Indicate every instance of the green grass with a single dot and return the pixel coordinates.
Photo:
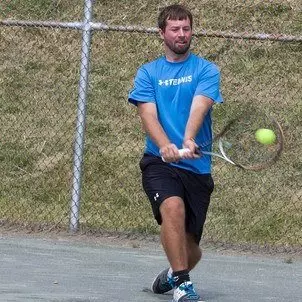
(38, 103)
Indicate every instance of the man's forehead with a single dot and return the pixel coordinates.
(183, 22)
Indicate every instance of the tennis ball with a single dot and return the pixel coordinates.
(265, 136)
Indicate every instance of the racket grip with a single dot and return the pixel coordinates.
(183, 151)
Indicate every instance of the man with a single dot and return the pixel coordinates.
(174, 95)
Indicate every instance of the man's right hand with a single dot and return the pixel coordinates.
(169, 153)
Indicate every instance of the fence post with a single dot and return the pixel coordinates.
(81, 117)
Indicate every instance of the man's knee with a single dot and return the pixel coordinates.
(173, 207)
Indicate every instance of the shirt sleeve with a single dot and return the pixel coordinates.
(209, 83)
(143, 90)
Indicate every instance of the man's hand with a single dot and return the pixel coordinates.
(169, 153)
(192, 147)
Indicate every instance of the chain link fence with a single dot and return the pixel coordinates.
(70, 142)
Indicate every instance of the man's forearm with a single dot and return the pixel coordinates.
(200, 107)
(153, 128)
(155, 131)
(151, 125)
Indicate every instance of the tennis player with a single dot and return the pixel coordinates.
(174, 95)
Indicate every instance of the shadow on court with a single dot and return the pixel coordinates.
(67, 269)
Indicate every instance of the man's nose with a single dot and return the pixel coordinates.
(181, 32)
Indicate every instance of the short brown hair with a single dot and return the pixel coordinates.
(173, 12)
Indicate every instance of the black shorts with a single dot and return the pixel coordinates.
(161, 181)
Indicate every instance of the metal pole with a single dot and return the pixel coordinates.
(81, 118)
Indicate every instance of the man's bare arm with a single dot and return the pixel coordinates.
(151, 125)
(199, 108)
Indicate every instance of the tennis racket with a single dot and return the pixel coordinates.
(236, 143)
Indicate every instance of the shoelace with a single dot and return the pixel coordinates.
(188, 288)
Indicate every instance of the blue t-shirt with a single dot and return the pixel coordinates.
(172, 86)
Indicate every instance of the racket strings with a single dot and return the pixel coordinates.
(240, 145)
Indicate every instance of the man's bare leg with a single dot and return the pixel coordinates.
(173, 234)
(193, 251)
(181, 248)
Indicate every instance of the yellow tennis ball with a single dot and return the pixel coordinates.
(265, 136)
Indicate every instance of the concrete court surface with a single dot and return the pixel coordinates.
(36, 268)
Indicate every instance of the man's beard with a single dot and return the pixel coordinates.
(179, 50)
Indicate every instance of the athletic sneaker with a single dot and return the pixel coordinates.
(185, 292)
(163, 282)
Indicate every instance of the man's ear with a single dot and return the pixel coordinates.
(161, 33)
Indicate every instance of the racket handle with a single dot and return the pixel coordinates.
(182, 152)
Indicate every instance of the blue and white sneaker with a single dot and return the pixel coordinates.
(185, 292)
(163, 282)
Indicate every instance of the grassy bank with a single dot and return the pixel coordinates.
(38, 95)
